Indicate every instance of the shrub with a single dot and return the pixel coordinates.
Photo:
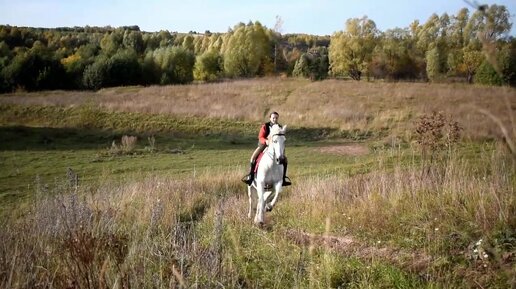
(486, 74)
(435, 135)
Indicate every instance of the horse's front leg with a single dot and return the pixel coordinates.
(258, 218)
(277, 189)
(250, 195)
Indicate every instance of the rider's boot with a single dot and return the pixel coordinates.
(286, 180)
(250, 177)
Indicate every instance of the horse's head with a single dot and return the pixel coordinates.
(277, 143)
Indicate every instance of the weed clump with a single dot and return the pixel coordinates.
(436, 134)
(127, 145)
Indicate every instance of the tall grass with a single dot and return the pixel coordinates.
(402, 222)
(347, 105)
(193, 232)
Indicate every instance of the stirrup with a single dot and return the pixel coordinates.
(247, 180)
(286, 181)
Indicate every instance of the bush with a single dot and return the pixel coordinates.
(208, 66)
(96, 75)
(486, 74)
(124, 68)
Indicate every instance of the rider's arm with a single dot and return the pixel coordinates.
(262, 137)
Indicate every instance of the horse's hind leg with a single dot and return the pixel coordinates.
(268, 207)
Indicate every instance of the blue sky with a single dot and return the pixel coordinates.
(321, 17)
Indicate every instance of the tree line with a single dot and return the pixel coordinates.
(472, 47)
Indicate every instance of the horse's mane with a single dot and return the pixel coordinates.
(275, 129)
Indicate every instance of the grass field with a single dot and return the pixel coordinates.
(368, 209)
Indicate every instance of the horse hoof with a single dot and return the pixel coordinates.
(268, 208)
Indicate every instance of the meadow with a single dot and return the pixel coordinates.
(396, 185)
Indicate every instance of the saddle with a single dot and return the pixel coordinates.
(258, 159)
(268, 186)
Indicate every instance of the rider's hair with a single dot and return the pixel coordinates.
(273, 113)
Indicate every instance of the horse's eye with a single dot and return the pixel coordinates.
(275, 141)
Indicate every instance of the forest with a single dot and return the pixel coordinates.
(470, 46)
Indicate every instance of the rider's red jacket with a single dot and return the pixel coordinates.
(263, 134)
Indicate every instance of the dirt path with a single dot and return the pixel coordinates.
(416, 262)
(345, 149)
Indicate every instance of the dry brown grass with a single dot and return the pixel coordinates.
(340, 104)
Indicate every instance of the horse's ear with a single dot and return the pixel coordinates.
(284, 128)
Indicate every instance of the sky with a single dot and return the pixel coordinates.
(318, 17)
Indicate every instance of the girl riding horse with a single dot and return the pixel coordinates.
(262, 144)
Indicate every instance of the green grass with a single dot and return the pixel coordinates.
(80, 138)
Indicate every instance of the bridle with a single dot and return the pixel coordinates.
(273, 153)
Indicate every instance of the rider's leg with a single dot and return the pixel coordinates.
(286, 180)
(250, 177)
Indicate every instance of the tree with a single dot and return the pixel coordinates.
(458, 27)
(151, 71)
(34, 69)
(124, 68)
(471, 60)
(133, 40)
(433, 67)
(393, 57)
(174, 64)
(302, 66)
(96, 75)
(278, 28)
(247, 50)
(351, 51)
(188, 43)
(493, 25)
(313, 64)
(428, 33)
(486, 74)
(495, 22)
(208, 66)
(111, 42)
(507, 60)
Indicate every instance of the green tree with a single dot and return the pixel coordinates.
(507, 60)
(314, 64)
(302, 67)
(96, 75)
(393, 58)
(151, 71)
(34, 69)
(247, 51)
(208, 66)
(124, 68)
(76, 63)
(471, 61)
(133, 40)
(428, 34)
(111, 42)
(433, 67)
(351, 51)
(458, 26)
(188, 43)
(486, 74)
(175, 64)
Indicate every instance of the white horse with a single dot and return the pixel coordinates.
(270, 173)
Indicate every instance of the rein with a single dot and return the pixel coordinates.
(271, 155)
